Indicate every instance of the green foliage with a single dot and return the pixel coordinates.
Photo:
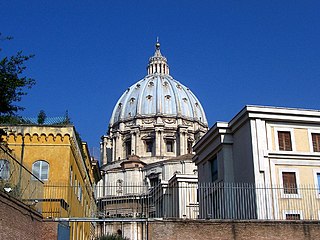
(41, 117)
(8, 119)
(112, 237)
(12, 81)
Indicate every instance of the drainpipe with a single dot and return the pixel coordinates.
(21, 160)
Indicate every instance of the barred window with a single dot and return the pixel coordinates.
(293, 216)
(284, 139)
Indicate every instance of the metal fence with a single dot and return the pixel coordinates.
(210, 201)
(18, 181)
(60, 200)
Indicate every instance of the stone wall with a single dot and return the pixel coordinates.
(235, 230)
(18, 221)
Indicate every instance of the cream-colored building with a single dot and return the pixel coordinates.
(276, 150)
(156, 120)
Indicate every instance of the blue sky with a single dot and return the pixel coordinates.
(229, 53)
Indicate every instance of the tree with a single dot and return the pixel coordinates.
(12, 81)
(41, 117)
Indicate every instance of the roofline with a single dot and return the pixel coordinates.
(252, 111)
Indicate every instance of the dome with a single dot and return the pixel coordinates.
(158, 94)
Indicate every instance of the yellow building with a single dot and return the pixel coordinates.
(56, 155)
(272, 154)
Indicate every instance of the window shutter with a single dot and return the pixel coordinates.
(284, 140)
(316, 142)
(289, 183)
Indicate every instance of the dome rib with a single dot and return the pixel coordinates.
(158, 94)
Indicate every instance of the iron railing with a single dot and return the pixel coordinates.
(18, 181)
(209, 201)
(64, 201)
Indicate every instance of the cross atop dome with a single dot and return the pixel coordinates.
(158, 63)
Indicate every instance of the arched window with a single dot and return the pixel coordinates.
(4, 169)
(41, 169)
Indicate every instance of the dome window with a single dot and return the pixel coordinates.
(138, 85)
(189, 146)
(149, 97)
(167, 97)
(185, 99)
(197, 104)
(151, 84)
(165, 84)
(179, 86)
(149, 145)
(132, 100)
(128, 147)
(169, 145)
(120, 105)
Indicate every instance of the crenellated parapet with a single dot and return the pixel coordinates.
(38, 135)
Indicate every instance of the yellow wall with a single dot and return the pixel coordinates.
(57, 146)
(301, 139)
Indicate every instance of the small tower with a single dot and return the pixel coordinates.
(158, 63)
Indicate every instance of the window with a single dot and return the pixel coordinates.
(40, 169)
(316, 141)
(154, 181)
(292, 216)
(75, 185)
(149, 145)
(128, 148)
(284, 139)
(318, 182)
(189, 147)
(289, 183)
(119, 186)
(79, 192)
(4, 169)
(169, 144)
(71, 175)
(214, 168)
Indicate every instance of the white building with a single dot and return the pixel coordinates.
(149, 142)
(272, 148)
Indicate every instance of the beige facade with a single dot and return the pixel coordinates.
(269, 147)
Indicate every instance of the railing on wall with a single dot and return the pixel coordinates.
(18, 182)
(210, 201)
(60, 200)
(52, 200)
